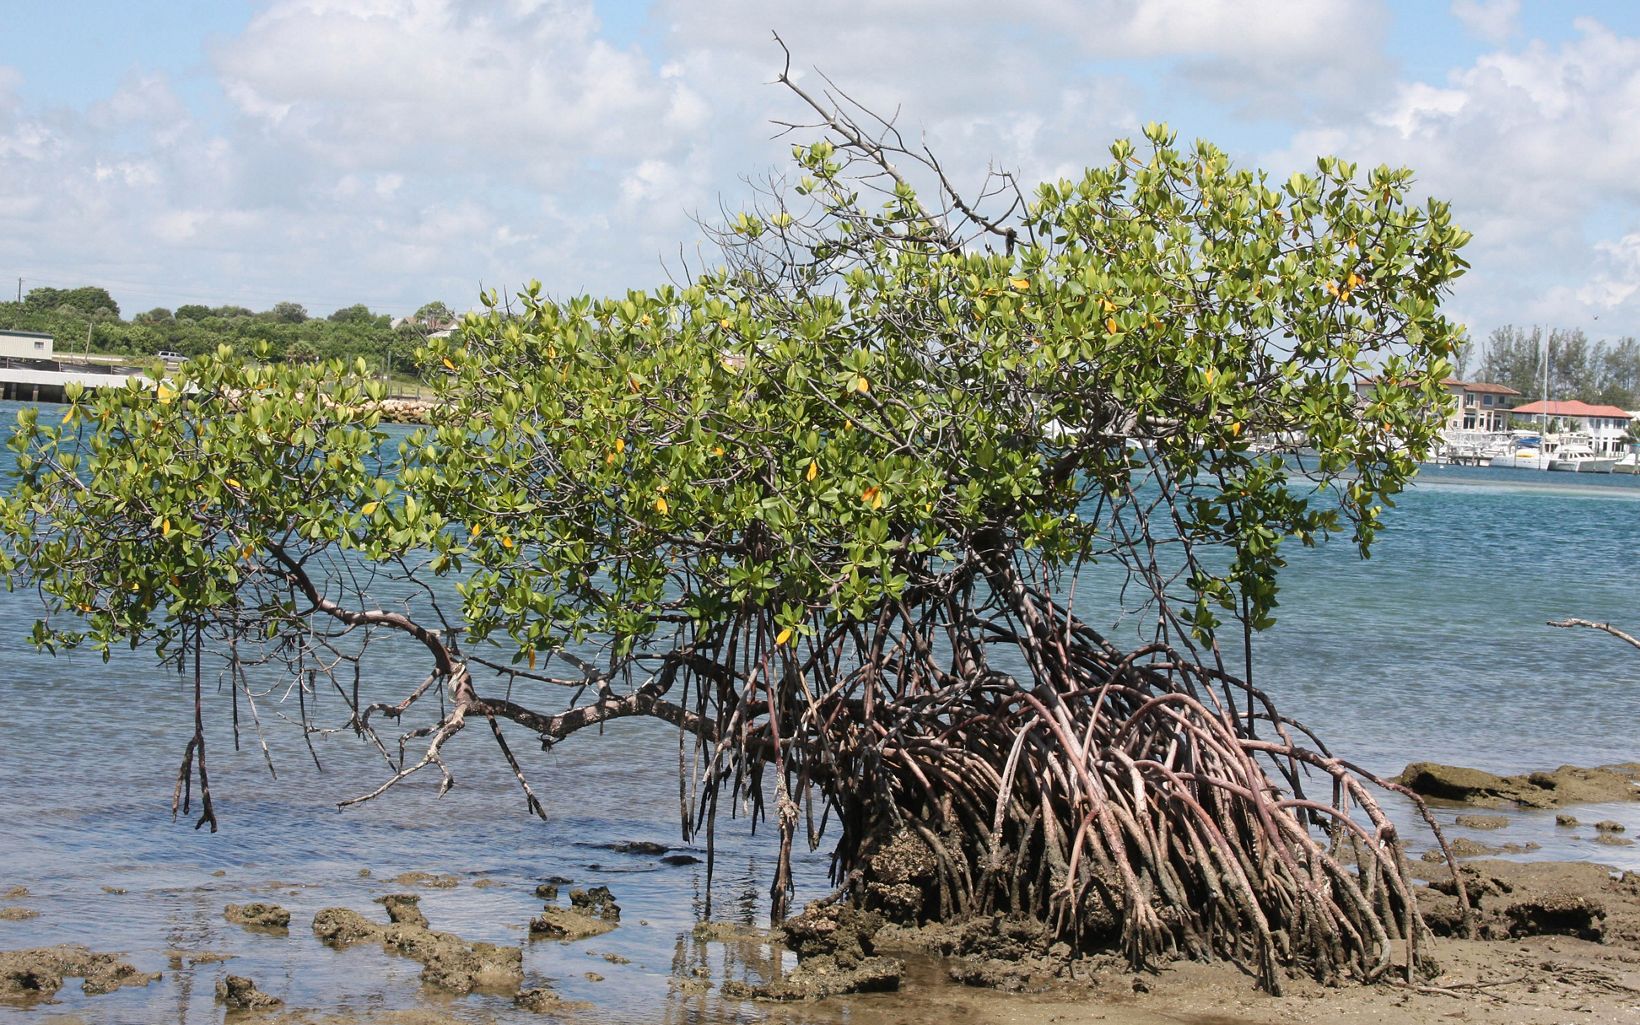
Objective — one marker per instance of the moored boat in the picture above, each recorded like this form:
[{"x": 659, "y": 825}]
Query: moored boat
[
  {"x": 1577, "y": 455},
  {"x": 1527, "y": 451}
]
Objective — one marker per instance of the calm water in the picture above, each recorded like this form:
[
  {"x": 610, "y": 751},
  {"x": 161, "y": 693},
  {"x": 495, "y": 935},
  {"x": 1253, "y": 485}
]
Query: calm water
[{"x": 1435, "y": 648}]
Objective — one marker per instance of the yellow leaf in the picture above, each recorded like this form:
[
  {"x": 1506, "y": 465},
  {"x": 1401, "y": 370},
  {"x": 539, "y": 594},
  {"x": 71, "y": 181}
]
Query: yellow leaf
[
  {"x": 477, "y": 529},
  {"x": 870, "y": 496},
  {"x": 506, "y": 542},
  {"x": 1235, "y": 429},
  {"x": 1332, "y": 288},
  {"x": 1110, "y": 325},
  {"x": 814, "y": 470},
  {"x": 717, "y": 450},
  {"x": 448, "y": 365},
  {"x": 369, "y": 507},
  {"x": 165, "y": 528},
  {"x": 231, "y": 482},
  {"x": 726, "y": 323},
  {"x": 609, "y": 460},
  {"x": 784, "y": 636},
  {"x": 247, "y": 552},
  {"x": 632, "y": 384},
  {"x": 1209, "y": 374},
  {"x": 620, "y": 444},
  {"x": 1107, "y": 306},
  {"x": 660, "y": 504},
  {"x": 1020, "y": 283},
  {"x": 532, "y": 658},
  {"x": 861, "y": 384},
  {"x": 877, "y": 503},
  {"x": 166, "y": 394},
  {"x": 645, "y": 319}
]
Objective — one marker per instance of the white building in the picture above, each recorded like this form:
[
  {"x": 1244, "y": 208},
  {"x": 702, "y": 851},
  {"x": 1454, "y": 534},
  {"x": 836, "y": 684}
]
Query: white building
[
  {"x": 1607, "y": 425},
  {"x": 25, "y": 345}
]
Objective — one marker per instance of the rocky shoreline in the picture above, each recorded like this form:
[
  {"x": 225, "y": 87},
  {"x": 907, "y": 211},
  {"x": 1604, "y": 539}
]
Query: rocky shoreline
[{"x": 1540, "y": 942}]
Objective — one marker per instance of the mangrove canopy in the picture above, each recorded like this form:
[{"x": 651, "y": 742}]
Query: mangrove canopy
[{"x": 854, "y": 511}]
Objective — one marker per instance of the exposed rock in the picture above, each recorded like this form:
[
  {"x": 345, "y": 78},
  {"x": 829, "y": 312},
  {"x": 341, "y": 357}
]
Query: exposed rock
[
  {"x": 835, "y": 955},
  {"x": 593, "y": 977},
  {"x": 177, "y": 958},
  {"x": 1464, "y": 847},
  {"x": 1567, "y": 821},
  {"x": 1483, "y": 821},
  {"x": 556, "y": 923},
  {"x": 15, "y": 893},
  {"x": 1609, "y": 826},
  {"x": 114, "y": 891},
  {"x": 1441, "y": 912},
  {"x": 900, "y": 878},
  {"x": 636, "y": 847},
  {"x": 240, "y": 994},
  {"x": 1558, "y": 914},
  {"x": 16, "y": 914},
  {"x": 451, "y": 963},
  {"x": 1613, "y": 840},
  {"x": 614, "y": 958},
  {"x": 597, "y": 902},
  {"x": 257, "y": 915},
  {"x": 448, "y": 961},
  {"x": 403, "y": 909},
  {"x": 39, "y": 972},
  {"x": 1512, "y": 899},
  {"x": 484, "y": 884},
  {"x": 730, "y": 932},
  {"x": 341, "y": 926},
  {"x": 437, "y": 882},
  {"x": 1012, "y": 954},
  {"x": 680, "y": 859},
  {"x": 1568, "y": 784},
  {"x": 547, "y": 891},
  {"x": 539, "y": 999}
]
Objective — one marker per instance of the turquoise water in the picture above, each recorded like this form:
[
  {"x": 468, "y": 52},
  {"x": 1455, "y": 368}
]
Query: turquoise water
[{"x": 1435, "y": 648}]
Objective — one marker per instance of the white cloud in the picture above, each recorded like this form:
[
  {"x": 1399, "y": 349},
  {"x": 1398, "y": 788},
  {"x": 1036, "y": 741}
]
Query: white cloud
[
  {"x": 1532, "y": 145},
  {"x": 452, "y": 84},
  {"x": 391, "y": 151},
  {"x": 1491, "y": 20}
]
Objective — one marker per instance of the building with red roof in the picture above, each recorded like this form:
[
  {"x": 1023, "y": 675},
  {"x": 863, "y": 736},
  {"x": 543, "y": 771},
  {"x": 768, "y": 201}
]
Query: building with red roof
[{"x": 1607, "y": 425}]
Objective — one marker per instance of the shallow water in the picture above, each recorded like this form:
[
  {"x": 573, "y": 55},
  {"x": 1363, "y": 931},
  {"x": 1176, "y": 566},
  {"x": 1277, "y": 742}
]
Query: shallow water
[{"x": 1435, "y": 648}]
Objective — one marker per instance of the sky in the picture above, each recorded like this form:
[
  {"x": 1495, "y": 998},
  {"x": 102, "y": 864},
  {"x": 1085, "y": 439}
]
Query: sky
[{"x": 393, "y": 152}]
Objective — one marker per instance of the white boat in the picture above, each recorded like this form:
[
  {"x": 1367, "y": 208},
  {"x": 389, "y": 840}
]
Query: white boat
[
  {"x": 1473, "y": 448},
  {"x": 1576, "y": 454},
  {"x": 1527, "y": 451},
  {"x": 1630, "y": 463},
  {"x": 1522, "y": 459}
]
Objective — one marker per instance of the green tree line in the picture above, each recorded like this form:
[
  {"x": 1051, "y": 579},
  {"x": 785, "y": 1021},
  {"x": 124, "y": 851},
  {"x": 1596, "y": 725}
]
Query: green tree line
[
  {"x": 1602, "y": 372},
  {"x": 88, "y": 319}
]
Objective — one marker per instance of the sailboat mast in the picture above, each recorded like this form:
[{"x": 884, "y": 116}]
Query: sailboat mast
[{"x": 1543, "y": 431}]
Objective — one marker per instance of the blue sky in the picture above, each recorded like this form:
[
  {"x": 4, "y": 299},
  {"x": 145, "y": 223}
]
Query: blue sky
[{"x": 395, "y": 151}]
